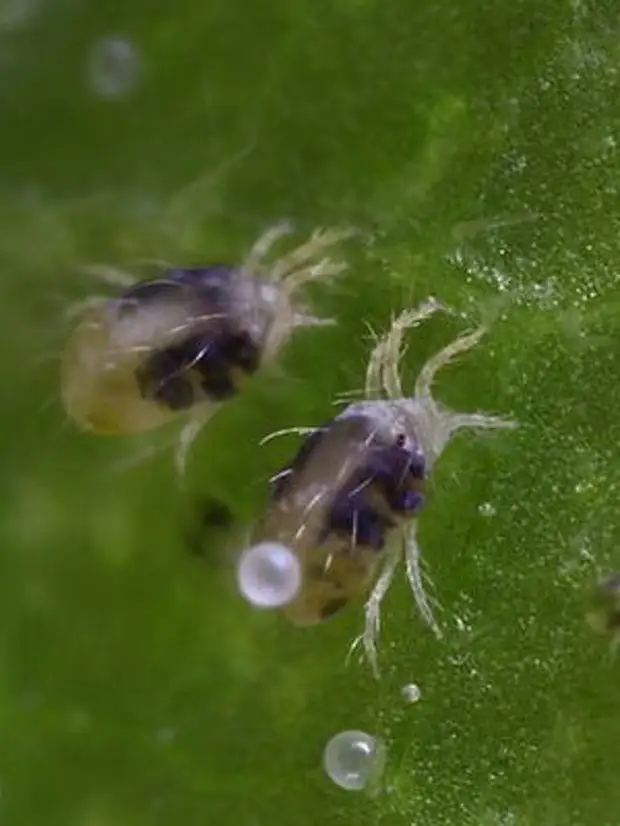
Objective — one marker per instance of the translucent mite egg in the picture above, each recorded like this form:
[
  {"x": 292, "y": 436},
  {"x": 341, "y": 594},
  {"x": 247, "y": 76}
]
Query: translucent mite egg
[
  {"x": 411, "y": 693},
  {"x": 269, "y": 575},
  {"x": 352, "y": 759}
]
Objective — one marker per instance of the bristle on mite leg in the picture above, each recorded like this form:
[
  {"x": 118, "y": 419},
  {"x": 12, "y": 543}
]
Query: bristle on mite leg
[{"x": 298, "y": 431}]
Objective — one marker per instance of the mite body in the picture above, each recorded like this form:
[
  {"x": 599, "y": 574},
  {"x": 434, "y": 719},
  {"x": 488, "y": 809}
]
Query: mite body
[
  {"x": 184, "y": 343},
  {"x": 348, "y": 503}
]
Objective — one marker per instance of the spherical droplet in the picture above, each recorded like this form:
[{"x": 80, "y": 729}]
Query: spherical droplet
[
  {"x": 113, "y": 67},
  {"x": 269, "y": 575},
  {"x": 352, "y": 759},
  {"x": 411, "y": 692}
]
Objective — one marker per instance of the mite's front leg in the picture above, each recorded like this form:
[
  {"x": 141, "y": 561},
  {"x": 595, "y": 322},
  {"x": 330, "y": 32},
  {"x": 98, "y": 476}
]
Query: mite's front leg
[{"x": 318, "y": 243}]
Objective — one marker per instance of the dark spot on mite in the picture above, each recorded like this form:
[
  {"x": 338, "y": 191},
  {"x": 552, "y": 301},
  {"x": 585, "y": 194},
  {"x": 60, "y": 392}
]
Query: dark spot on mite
[
  {"x": 176, "y": 393},
  {"x": 225, "y": 353},
  {"x": 332, "y": 607},
  {"x": 213, "y": 357},
  {"x": 392, "y": 471}
]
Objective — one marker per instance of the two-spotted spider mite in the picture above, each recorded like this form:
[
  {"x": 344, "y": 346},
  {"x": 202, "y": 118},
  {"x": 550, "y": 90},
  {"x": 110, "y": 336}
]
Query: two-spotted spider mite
[
  {"x": 182, "y": 344},
  {"x": 348, "y": 503}
]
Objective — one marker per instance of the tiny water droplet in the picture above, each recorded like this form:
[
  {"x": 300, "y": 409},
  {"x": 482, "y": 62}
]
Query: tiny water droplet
[
  {"x": 353, "y": 759},
  {"x": 486, "y": 509},
  {"x": 411, "y": 692}
]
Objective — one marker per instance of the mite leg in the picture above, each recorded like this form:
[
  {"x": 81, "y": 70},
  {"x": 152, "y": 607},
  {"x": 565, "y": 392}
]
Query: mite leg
[
  {"x": 316, "y": 272},
  {"x": 285, "y": 316},
  {"x": 109, "y": 275},
  {"x": 368, "y": 639},
  {"x": 78, "y": 308},
  {"x": 391, "y": 352},
  {"x": 372, "y": 387},
  {"x": 479, "y": 420},
  {"x": 262, "y": 246},
  {"x": 443, "y": 357},
  {"x": 414, "y": 575},
  {"x": 319, "y": 241},
  {"x": 306, "y": 320},
  {"x": 189, "y": 433}
]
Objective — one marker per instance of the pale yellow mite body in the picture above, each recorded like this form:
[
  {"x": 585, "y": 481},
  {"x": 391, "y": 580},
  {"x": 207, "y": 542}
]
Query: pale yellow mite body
[
  {"x": 183, "y": 344},
  {"x": 348, "y": 502}
]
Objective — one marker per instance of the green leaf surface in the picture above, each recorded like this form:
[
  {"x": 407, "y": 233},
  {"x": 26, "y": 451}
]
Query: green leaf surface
[{"x": 475, "y": 144}]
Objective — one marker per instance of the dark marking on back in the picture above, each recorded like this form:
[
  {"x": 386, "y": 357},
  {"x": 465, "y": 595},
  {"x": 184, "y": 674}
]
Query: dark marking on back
[{"x": 213, "y": 356}]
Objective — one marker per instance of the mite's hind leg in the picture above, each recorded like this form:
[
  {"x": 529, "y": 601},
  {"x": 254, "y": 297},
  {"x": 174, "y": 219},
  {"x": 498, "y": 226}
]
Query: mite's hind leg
[
  {"x": 188, "y": 435},
  {"x": 264, "y": 243},
  {"x": 414, "y": 575},
  {"x": 369, "y": 638},
  {"x": 320, "y": 240},
  {"x": 391, "y": 352},
  {"x": 443, "y": 357}
]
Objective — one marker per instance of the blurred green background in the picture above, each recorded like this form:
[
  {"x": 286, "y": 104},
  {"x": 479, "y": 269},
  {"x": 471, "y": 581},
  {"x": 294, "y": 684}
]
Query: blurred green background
[{"x": 475, "y": 143}]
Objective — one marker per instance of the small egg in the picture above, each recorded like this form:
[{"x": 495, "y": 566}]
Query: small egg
[
  {"x": 411, "y": 692},
  {"x": 269, "y": 575},
  {"x": 352, "y": 759}
]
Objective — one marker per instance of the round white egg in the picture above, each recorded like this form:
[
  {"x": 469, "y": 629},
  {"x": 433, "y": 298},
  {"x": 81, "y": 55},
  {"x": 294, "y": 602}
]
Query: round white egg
[{"x": 269, "y": 575}]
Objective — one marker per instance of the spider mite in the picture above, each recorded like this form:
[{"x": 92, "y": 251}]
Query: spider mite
[
  {"x": 348, "y": 502},
  {"x": 183, "y": 344}
]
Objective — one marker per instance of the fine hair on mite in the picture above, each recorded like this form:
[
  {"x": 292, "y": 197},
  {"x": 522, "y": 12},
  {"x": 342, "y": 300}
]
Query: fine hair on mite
[
  {"x": 181, "y": 345},
  {"x": 348, "y": 502}
]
